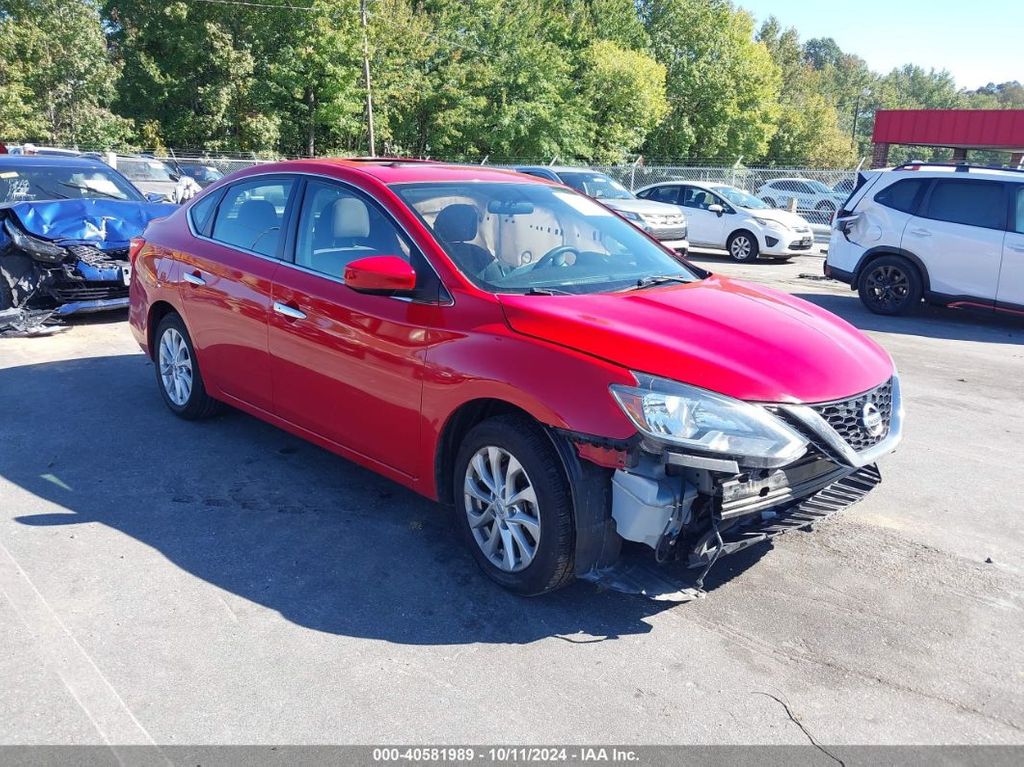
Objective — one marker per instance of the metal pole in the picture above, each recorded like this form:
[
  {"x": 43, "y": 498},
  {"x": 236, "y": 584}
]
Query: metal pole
[{"x": 366, "y": 77}]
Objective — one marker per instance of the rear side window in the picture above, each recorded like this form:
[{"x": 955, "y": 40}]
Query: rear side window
[
  {"x": 904, "y": 195},
  {"x": 974, "y": 203},
  {"x": 251, "y": 213},
  {"x": 201, "y": 211}
]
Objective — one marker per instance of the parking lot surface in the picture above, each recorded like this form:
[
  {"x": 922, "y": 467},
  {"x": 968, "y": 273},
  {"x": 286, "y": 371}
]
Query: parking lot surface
[{"x": 224, "y": 582}]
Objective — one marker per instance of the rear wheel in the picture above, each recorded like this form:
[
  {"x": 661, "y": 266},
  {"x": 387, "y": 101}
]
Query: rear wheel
[
  {"x": 890, "y": 285},
  {"x": 742, "y": 246},
  {"x": 177, "y": 372},
  {"x": 514, "y": 505}
]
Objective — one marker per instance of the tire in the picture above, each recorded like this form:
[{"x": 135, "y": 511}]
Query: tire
[
  {"x": 177, "y": 372},
  {"x": 890, "y": 285},
  {"x": 742, "y": 246},
  {"x": 6, "y": 296},
  {"x": 549, "y": 531}
]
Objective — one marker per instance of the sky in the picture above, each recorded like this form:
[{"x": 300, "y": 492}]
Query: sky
[{"x": 977, "y": 42}]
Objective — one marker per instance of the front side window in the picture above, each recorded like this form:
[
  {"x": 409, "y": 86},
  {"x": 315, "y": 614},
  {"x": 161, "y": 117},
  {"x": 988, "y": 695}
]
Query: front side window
[
  {"x": 518, "y": 237},
  {"x": 974, "y": 203},
  {"x": 251, "y": 213},
  {"x": 666, "y": 194},
  {"x": 701, "y": 199},
  {"x": 904, "y": 195},
  {"x": 338, "y": 226}
]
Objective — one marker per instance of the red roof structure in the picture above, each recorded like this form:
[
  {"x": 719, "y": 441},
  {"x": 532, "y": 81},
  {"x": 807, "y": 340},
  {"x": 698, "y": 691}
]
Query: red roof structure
[{"x": 991, "y": 129}]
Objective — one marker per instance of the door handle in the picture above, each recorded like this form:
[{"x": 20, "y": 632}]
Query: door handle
[
  {"x": 1017, "y": 248},
  {"x": 289, "y": 311},
  {"x": 920, "y": 233},
  {"x": 194, "y": 278}
]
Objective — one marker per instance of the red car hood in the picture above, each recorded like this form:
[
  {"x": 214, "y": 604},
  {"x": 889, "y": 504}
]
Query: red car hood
[{"x": 739, "y": 339}]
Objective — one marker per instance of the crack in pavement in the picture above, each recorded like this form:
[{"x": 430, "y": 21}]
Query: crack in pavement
[{"x": 793, "y": 717}]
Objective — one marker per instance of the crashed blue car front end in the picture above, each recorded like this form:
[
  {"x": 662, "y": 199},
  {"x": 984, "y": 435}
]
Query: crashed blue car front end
[{"x": 70, "y": 256}]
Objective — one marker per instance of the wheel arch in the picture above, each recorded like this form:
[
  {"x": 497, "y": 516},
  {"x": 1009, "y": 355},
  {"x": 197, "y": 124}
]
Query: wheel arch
[
  {"x": 596, "y": 541},
  {"x": 873, "y": 254},
  {"x": 157, "y": 311}
]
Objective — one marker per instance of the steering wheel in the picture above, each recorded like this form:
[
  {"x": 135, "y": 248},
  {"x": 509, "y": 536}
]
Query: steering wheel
[{"x": 555, "y": 257}]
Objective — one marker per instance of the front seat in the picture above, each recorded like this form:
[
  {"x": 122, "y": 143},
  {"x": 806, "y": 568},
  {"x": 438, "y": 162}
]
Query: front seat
[
  {"x": 341, "y": 235},
  {"x": 456, "y": 225}
]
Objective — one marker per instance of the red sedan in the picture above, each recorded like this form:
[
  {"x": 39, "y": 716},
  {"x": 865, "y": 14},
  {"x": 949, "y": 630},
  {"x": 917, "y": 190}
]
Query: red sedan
[{"x": 516, "y": 350}]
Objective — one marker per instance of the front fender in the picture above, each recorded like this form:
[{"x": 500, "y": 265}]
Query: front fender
[{"x": 559, "y": 387}]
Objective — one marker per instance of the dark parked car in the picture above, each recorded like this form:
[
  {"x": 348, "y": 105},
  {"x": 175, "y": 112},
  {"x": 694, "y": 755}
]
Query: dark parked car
[
  {"x": 65, "y": 224},
  {"x": 204, "y": 175}
]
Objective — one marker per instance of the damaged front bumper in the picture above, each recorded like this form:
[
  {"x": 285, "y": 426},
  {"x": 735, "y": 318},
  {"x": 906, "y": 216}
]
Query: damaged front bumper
[{"x": 694, "y": 509}]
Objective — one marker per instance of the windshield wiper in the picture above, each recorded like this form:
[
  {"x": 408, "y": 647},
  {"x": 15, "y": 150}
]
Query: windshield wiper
[
  {"x": 660, "y": 279},
  {"x": 86, "y": 188},
  {"x": 547, "y": 292}
]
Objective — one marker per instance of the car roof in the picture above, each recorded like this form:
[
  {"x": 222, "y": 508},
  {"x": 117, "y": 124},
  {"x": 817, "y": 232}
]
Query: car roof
[
  {"x": 51, "y": 160},
  {"x": 395, "y": 171},
  {"x": 976, "y": 172}
]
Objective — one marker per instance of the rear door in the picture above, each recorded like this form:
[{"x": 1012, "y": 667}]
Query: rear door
[
  {"x": 958, "y": 233},
  {"x": 226, "y": 286},
  {"x": 1010, "y": 294}
]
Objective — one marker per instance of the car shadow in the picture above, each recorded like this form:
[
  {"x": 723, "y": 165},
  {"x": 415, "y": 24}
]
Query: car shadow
[
  {"x": 273, "y": 519},
  {"x": 928, "y": 321}
]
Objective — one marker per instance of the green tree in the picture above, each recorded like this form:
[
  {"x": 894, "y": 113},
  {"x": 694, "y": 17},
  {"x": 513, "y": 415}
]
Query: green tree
[
  {"x": 57, "y": 77},
  {"x": 722, "y": 86},
  {"x": 625, "y": 93}
]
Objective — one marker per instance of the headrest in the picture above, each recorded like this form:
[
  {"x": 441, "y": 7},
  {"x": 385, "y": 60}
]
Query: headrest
[
  {"x": 257, "y": 215},
  {"x": 457, "y": 223},
  {"x": 349, "y": 218}
]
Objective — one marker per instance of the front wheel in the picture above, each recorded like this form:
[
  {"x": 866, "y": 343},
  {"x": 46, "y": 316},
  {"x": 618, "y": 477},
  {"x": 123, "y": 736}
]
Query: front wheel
[
  {"x": 177, "y": 372},
  {"x": 514, "y": 505},
  {"x": 890, "y": 285},
  {"x": 742, "y": 246}
]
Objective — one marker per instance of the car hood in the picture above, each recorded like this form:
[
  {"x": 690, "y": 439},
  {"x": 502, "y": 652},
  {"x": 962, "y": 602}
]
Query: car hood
[
  {"x": 742, "y": 340},
  {"x": 107, "y": 224},
  {"x": 784, "y": 217},
  {"x": 643, "y": 206}
]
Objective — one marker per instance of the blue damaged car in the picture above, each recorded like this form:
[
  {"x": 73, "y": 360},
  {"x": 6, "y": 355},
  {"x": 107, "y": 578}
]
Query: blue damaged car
[{"x": 65, "y": 226}]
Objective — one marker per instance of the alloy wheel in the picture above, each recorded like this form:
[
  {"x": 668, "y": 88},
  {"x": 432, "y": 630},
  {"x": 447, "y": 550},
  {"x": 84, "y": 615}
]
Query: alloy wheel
[
  {"x": 888, "y": 286},
  {"x": 741, "y": 248},
  {"x": 175, "y": 367},
  {"x": 501, "y": 505}
]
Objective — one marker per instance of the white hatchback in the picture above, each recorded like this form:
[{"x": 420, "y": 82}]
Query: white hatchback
[
  {"x": 950, "y": 234},
  {"x": 722, "y": 216}
]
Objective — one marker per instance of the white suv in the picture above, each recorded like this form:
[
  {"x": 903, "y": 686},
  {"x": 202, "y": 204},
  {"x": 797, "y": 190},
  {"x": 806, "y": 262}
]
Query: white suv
[
  {"x": 722, "y": 216},
  {"x": 951, "y": 234}
]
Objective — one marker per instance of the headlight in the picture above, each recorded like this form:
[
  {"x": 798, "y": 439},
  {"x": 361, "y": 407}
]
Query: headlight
[
  {"x": 770, "y": 223},
  {"x": 631, "y": 215},
  {"x": 708, "y": 423},
  {"x": 38, "y": 249}
]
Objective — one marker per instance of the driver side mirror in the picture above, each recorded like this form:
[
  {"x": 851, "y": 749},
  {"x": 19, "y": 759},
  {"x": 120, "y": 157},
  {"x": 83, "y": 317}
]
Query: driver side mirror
[
  {"x": 156, "y": 197},
  {"x": 718, "y": 210},
  {"x": 381, "y": 275}
]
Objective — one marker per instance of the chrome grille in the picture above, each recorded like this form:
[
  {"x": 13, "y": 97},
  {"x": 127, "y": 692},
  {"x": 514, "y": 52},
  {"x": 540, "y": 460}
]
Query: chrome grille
[{"x": 846, "y": 417}]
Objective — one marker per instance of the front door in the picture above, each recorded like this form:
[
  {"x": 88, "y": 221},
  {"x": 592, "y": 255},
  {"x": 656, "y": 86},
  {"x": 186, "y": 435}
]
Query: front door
[
  {"x": 226, "y": 284},
  {"x": 705, "y": 226},
  {"x": 348, "y": 366},
  {"x": 1010, "y": 294}
]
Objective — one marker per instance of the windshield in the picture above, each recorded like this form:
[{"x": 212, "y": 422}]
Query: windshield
[
  {"x": 202, "y": 172},
  {"x": 531, "y": 237},
  {"x": 25, "y": 183},
  {"x": 596, "y": 185},
  {"x": 817, "y": 186},
  {"x": 741, "y": 199},
  {"x": 141, "y": 169}
]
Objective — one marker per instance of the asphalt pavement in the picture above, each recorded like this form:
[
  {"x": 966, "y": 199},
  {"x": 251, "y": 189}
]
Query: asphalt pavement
[{"x": 224, "y": 582}]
